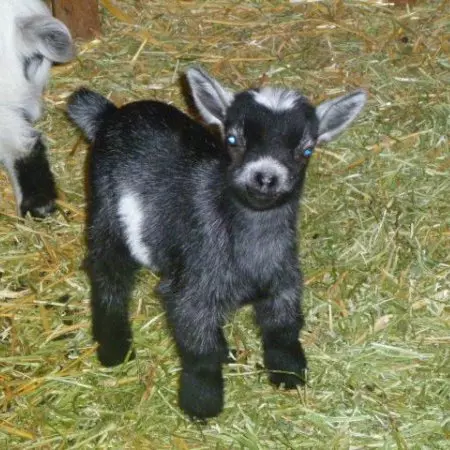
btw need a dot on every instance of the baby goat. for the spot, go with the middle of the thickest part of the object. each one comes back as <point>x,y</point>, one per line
<point>30,40</point>
<point>217,218</point>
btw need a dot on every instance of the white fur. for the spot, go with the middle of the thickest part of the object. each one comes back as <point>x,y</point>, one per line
<point>18,95</point>
<point>131,217</point>
<point>9,165</point>
<point>276,99</point>
<point>20,98</point>
<point>265,164</point>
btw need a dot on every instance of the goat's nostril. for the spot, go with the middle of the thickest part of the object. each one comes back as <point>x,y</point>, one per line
<point>265,180</point>
<point>272,181</point>
<point>259,178</point>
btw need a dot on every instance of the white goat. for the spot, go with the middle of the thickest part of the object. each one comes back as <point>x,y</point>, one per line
<point>30,41</point>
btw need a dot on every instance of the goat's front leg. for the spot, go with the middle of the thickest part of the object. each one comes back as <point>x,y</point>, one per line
<point>33,182</point>
<point>197,328</point>
<point>280,319</point>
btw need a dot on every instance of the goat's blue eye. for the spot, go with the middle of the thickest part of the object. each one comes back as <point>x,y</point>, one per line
<point>308,152</point>
<point>231,139</point>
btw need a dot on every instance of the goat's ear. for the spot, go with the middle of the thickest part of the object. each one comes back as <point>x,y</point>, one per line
<point>48,36</point>
<point>211,99</point>
<point>337,114</point>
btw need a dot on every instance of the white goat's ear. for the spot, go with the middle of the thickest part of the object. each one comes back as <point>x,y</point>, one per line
<point>211,99</point>
<point>48,36</point>
<point>337,114</point>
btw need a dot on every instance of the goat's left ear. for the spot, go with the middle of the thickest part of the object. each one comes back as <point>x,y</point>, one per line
<point>210,97</point>
<point>49,36</point>
<point>337,114</point>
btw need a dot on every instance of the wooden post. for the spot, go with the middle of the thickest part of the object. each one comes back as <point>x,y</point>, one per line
<point>80,16</point>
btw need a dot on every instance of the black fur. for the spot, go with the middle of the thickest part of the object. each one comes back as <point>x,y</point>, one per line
<point>36,182</point>
<point>218,242</point>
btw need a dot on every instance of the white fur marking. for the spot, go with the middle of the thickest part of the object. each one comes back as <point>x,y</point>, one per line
<point>266,164</point>
<point>276,99</point>
<point>132,218</point>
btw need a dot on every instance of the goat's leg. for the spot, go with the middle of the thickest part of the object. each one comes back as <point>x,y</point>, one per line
<point>280,320</point>
<point>33,182</point>
<point>111,271</point>
<point>203,349</point>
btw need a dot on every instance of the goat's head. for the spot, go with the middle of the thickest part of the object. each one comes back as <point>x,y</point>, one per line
<point>270,133</point>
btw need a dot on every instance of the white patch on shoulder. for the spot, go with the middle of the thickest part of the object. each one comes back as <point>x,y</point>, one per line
<point>276,99</point>
<point>132,218</point>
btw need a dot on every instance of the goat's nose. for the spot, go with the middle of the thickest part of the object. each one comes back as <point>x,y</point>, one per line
<point>265,181</point>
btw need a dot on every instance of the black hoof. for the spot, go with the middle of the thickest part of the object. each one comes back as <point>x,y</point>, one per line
<point>287,366</point>
<point>201,394</point>
<point>114,354</point>
<point>38,206</point>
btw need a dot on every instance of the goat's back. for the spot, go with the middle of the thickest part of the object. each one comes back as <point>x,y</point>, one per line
<point>150,142</point>
<point>150,160</point>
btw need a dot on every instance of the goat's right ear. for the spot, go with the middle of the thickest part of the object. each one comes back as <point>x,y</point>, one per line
<point>49,36</point>
<point>211,99</point>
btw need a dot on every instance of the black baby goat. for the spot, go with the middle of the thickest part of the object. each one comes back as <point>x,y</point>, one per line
<point>216,217</point>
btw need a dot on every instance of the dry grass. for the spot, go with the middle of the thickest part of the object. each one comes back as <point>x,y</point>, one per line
<point>375,241</point>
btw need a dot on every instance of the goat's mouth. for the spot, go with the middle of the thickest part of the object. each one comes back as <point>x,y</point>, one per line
<point>259,200</point>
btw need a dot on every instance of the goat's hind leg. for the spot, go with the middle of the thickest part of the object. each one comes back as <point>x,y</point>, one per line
<point>111,272</point>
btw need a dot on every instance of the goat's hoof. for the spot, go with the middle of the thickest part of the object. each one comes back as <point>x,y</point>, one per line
<point>201,394</point>
<point>287,366</point>
<point>288,380</point>
<point>113,355</point>
<point>37,207</point>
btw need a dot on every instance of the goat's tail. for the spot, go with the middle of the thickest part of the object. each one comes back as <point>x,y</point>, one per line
<point>88,110</point>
